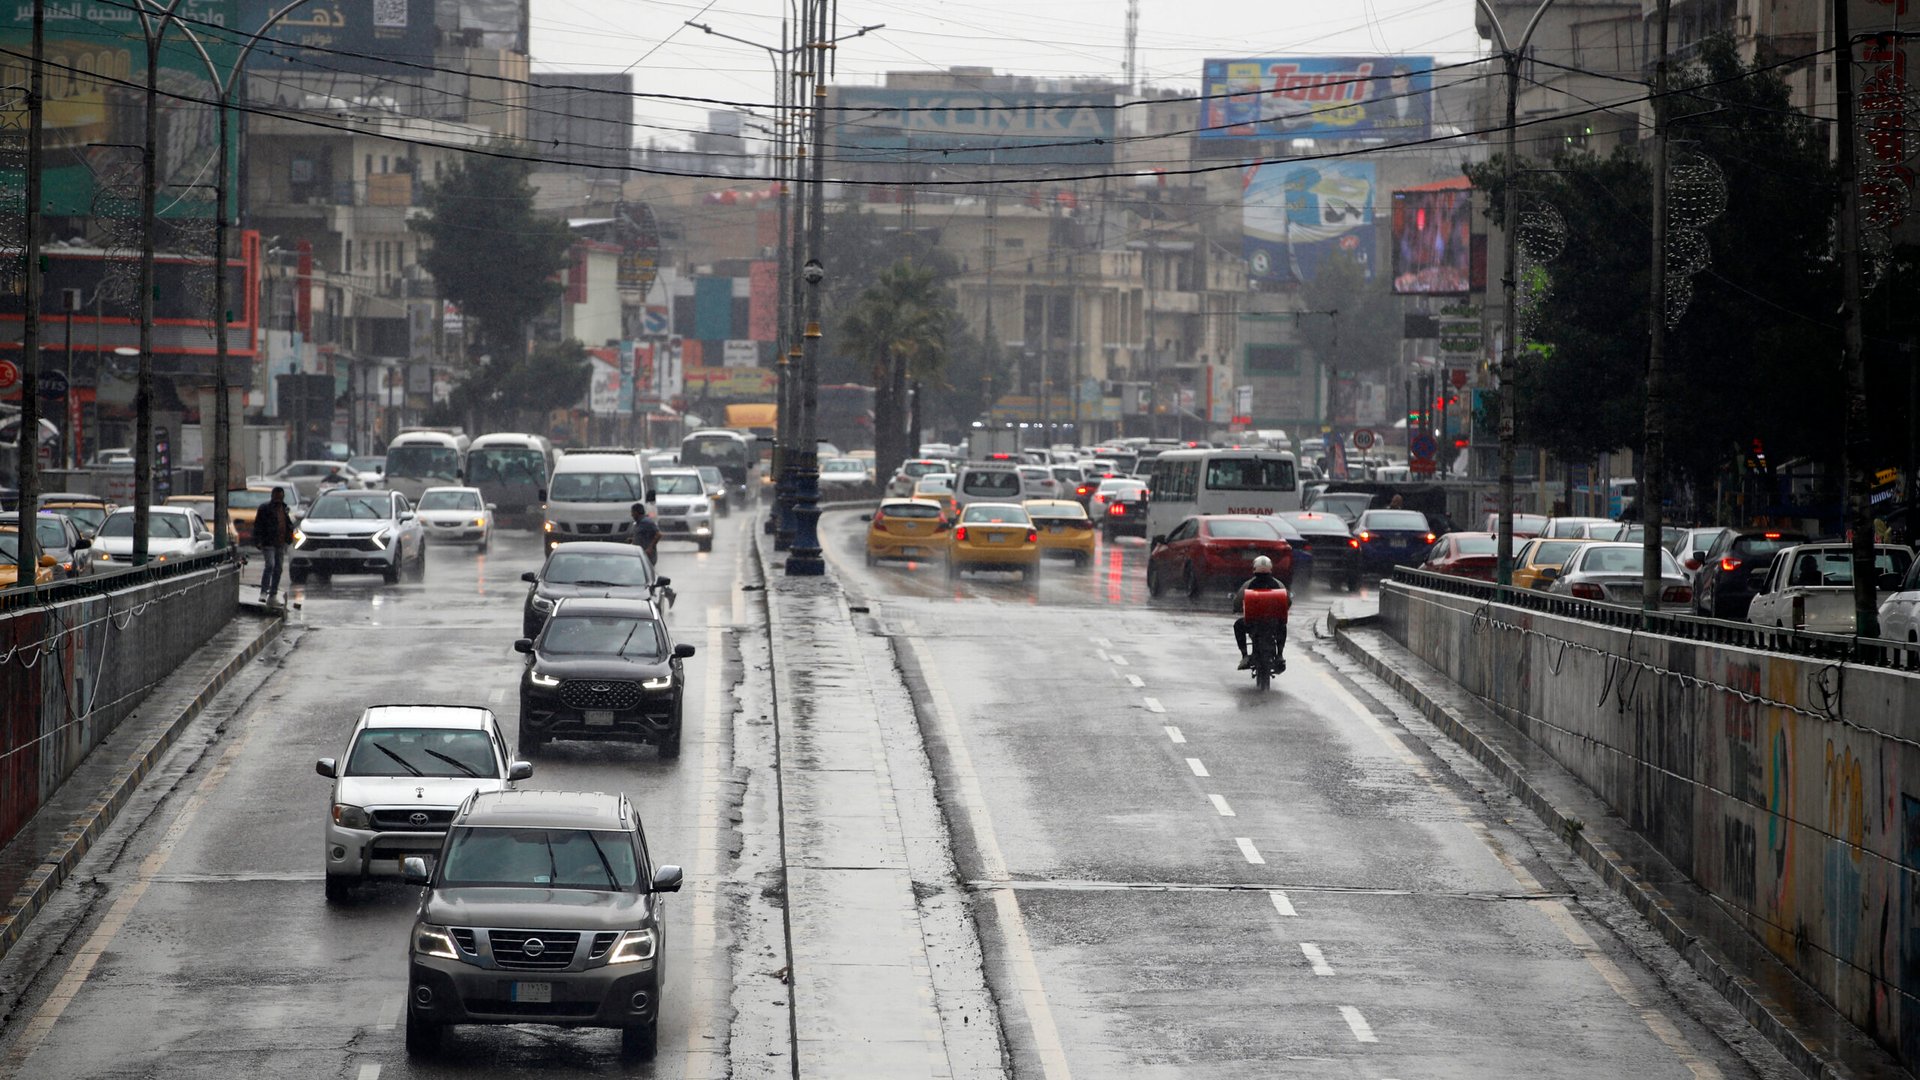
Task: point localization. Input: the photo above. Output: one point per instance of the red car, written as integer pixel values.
(1215, 549)
(1465, 554)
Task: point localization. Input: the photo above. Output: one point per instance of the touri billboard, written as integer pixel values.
(973, 127)
(1318, 97)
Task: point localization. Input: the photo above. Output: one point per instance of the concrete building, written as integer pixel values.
(582, 120)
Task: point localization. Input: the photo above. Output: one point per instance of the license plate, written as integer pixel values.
(533, 993)
(599, 718)
(910, 552)
(1397, 543)
(1056, 528)
(996, 538)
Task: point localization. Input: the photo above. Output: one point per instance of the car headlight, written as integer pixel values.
(541, 678)
(433, 940)
(299, 538)
(380, 539)
(541, 603)
(664, 682)
(549, 526)
(480, 522)
(633, 945)
(351, 817)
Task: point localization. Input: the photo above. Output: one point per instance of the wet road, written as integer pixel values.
(1178, 877)
(207, 948)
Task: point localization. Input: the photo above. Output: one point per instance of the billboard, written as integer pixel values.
(363, 36)
(1433, 240)
(95, 116)
(1318, 97)
(763, 305)
(603, 388)
(1295, 214)
(973, 127)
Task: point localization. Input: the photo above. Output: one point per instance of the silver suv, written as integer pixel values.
(407, 769)
(544, 908)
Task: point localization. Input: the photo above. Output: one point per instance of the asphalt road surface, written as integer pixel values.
(205, 948)
(1178, 876)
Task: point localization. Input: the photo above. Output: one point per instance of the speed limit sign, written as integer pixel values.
(1364, 438)
(9, 374)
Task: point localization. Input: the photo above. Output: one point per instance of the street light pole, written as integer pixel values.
(1653, 464)
(1859, 445)
(804, 559)
(34, 281)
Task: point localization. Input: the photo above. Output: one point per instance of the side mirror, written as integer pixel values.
(667, 879)
(681, 652)
(47, 560)
(540, 494)
(203, 535)
(406, 515)
(519, 770)
(83, 543)
(492, 507)
(1698, 557)
(529, 577)
(1693, 563)
(1158, 540)
(413, 870)
(662, 582)
(325, 767)
(653, 495)
(523, 645)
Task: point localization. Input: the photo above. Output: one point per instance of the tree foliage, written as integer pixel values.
(1365, 335)
(898, 326)
(499, 396)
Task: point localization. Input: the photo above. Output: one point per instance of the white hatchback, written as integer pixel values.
(173, 532)
(456, 514)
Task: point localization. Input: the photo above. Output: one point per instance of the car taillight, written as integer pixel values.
(1118, 509)
(1353, 542)
(1729, 564)
(1083, 489)
(1676, 594)
(1033, 536)
(1365, 536)
(1430, 538)
(1588, 592)
(960, 534)
(1771, 536)
(878, 524)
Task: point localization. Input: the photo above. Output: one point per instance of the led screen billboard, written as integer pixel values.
(1433, 241)
(1318, 97)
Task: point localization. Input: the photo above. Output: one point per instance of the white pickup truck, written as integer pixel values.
(1810, 586)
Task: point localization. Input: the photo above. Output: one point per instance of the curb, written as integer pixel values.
(1809, 1052)
(85, 829)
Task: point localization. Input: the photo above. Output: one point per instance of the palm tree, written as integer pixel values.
(898, 326)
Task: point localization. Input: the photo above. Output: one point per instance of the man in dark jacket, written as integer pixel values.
(1263, 578)
(273, 532)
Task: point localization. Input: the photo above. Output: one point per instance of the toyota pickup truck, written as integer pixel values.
(1810, 586)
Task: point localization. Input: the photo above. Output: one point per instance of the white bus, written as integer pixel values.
(420, 458)
(1182, 483)
(511, 471)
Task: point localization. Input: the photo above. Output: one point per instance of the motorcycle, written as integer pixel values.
(1266, 613)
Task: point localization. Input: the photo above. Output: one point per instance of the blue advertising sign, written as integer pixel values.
(1324, 97)
(1295, 214)
(973, 127)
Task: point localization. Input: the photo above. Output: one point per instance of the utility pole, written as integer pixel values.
(35, 279)
(1866, 615)
(804, 559)
(143, 379)
(1653, 463)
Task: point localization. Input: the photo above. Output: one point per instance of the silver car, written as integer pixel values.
(358, 532)
(1611, 572)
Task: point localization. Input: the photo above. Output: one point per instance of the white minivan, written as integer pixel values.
(591, 493)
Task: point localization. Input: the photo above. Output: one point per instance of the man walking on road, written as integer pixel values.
(273, 531)
(646, 532)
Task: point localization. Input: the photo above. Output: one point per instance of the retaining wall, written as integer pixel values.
(1788, 788)
(71, 670)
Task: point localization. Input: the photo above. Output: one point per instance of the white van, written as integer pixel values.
(987, 481)
(591, 495)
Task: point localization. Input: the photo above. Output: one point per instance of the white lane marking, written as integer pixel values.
(1102, 642)
(1220, 803)
(1102, 654)
(1252, 853)
(370, 1071)
(1193, 763)
(390, 1014)
(1136, 681)
(499, 695)
(993, 866)
(1117, 659)
(1281, 904)
(1153, 705)
(1316, 958)
(1174, 734)
(709, 819)
(1362, 1030)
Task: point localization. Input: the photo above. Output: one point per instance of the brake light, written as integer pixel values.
(1729, 564)
(1353, 542)
(1770, 536)
(1676, 594)
(1083, 489)
(1033, 536)
(960, 534)
(1588, 592)
(1430, 538)
(1118, 509)
(1366, 536)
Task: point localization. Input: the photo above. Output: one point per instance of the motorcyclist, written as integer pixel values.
(1263, 578)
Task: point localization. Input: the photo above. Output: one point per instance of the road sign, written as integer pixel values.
(53, 384)
(1364, 438)
(1422, 446)
(1421, 466)
(9, 374)
(1459, 378)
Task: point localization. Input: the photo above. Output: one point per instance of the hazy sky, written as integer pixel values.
(1024, 37)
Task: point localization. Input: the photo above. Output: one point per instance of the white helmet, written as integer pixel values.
(1262, 565)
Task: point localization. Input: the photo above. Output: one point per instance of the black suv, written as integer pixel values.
(588, 568)
(1726, 582)
(602, 669)
(543, 908)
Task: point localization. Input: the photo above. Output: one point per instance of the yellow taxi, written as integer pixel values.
(1537, 562)
(243, 506)
(1063, 528)
(10, 561)
(995, 536)
(203, 505)
(938, 487)
(86, 513)
(906, 529)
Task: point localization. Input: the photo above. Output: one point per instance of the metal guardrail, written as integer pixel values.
(1868, 652)
(101, 582)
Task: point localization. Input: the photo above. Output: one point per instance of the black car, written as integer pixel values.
(587, 568)
(1336, 554)
(602, 669)
(1725, 584)
(1390, 538)
(544, 907)
(1126, 515)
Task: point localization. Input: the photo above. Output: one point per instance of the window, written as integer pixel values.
(1175, 481)
(678, 484)
(604, 635)
(352, 506)
(1186, 530)
(994, 515)
(595, 487)
(909, 510)
(423, 462)
(1250, 474)
(450, 500)
(576, 568)
(990, 483)
(1273, 359)
(547, 858)
(1395, 519)
(1241, 530)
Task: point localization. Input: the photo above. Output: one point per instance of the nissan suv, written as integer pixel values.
(543, 908)
(602, 669)
(408, 767)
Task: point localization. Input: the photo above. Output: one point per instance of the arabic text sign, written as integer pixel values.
(977, 128)
(1327, 97)
(344, 35)
(1295, 214)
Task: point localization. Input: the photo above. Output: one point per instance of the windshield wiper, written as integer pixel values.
(612, 882)
(453, 761)
(553, 867)
(591, 581)
(622, 651)
(404, 763)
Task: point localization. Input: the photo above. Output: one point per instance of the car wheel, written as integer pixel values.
(1106, 534)
(339, 888)
(670, 744)
(872, 559)
(1154, 585)
(1081, 559)
(953, 569)
(1031, 576)
(639, 1043)
(392, 573)
(423, 1036)
(706, 545)
(532, 743)
(1353, 581)
(1191, 581)
(482, 549)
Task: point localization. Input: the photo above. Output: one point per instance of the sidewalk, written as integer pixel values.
(1789, 1013)
(864, 995)
(37, 859)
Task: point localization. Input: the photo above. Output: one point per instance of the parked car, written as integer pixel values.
(994, 536)
(173, 532)
(358, 532)
(456, 515)
(406, 771)
(602, 669)
(1810, 586)
(1611, 572)
(1215, 550)
(1900, 612)
(1336, 553)
(545, 907)
(587, 568)
(1464, 554)
(907, 529)
(1389, 538)
(1724, 585)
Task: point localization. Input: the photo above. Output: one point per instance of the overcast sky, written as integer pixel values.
(1022, 37)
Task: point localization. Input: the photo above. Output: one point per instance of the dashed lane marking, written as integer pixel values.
(1174, 734)
(370, 1071)
(1136, 681)
(1117, 659)
(390, 1014)
(1193, 763)
(1252, 853)
(1316, 958)
(1102, 642)
(1281, 904)
(1220, 803)
(1153, 705)
(1362, 1031)
(1102, 654)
